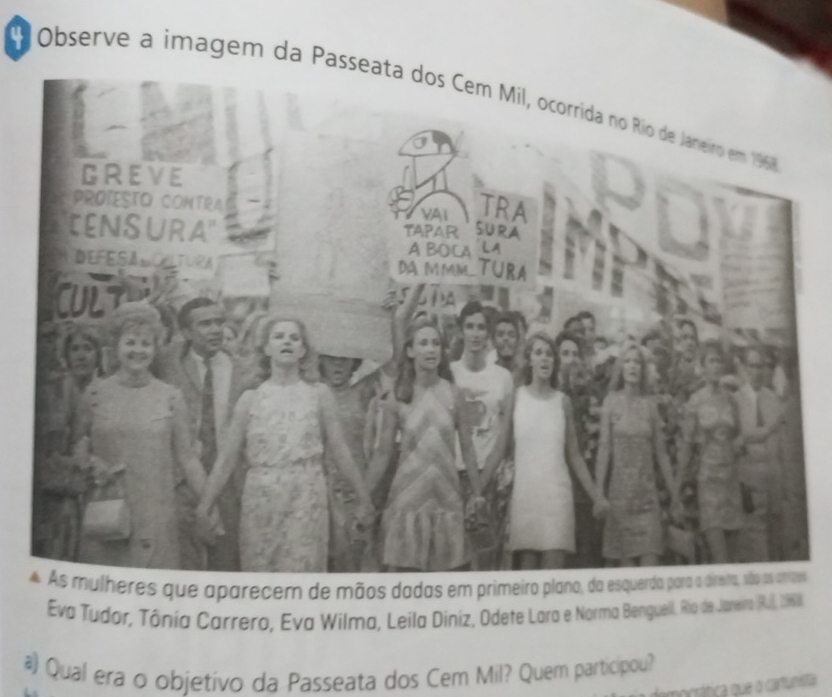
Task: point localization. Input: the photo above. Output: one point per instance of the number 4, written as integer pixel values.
(16, 35)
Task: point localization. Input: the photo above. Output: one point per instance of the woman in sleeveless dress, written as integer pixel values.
(632, 436)
(284, 428)
(423, 526)
(711, 425)
(542, 527)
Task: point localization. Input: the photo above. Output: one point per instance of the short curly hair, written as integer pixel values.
(132, 315)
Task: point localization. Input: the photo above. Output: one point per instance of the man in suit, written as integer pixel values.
(210, 381)
(761, 419)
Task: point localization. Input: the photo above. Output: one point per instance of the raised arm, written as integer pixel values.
(576, 461)
(401, 318)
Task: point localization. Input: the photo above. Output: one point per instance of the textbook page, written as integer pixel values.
(436, 348)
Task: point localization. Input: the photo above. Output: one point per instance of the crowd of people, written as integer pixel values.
(200, 439)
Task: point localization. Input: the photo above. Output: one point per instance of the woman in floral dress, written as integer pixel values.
(284, 428)
(711, 426)
(631, 441)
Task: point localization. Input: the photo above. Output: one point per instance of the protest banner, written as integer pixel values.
(331, 227)
(138, 215)
(586, 253)
(88, 298)
(430, 214)
(244, 276)
(344, 327)
(507, 239)
(757, 280)
(679, 222)
(145, 174)
(330, 218)
(582, 251)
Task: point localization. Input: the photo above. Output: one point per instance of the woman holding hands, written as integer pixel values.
(135, 427)
(286, 428)
(423, 526)
(631, 441)
(542, 523)
(711, 426)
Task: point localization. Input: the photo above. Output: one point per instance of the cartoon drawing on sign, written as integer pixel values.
(430, 153)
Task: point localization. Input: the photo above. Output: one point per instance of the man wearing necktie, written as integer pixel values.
(211, 381)
(761, 418)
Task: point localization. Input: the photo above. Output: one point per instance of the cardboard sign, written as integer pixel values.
(338, 326)
(508, 239)
(137, 215)
(140, 174)
(429, 207)
(89, 298)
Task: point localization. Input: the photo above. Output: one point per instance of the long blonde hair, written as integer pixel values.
(617, 380)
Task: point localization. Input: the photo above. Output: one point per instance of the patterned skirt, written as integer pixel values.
(284, 521)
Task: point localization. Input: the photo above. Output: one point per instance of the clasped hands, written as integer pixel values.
(365, 517)
(600, 507)
(209, 525)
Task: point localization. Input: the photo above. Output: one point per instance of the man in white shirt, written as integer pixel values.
(761, 417)
(210, 382)
(489, 395)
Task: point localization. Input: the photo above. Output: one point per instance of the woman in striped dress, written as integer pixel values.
(423, 526)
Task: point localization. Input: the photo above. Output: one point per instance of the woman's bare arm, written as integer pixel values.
(229, 456)
(183, 447)
(576, 459)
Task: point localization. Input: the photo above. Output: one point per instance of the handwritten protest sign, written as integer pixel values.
(90, 298)
(508, 239)
(137, 215)
(142, 173)
(439, 301)
(429, 207)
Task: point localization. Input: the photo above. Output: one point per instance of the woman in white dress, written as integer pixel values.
(542, 528)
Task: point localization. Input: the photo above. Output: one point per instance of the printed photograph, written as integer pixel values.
(283, 334)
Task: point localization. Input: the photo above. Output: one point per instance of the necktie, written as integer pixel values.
(207, 424)
(759, 411)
